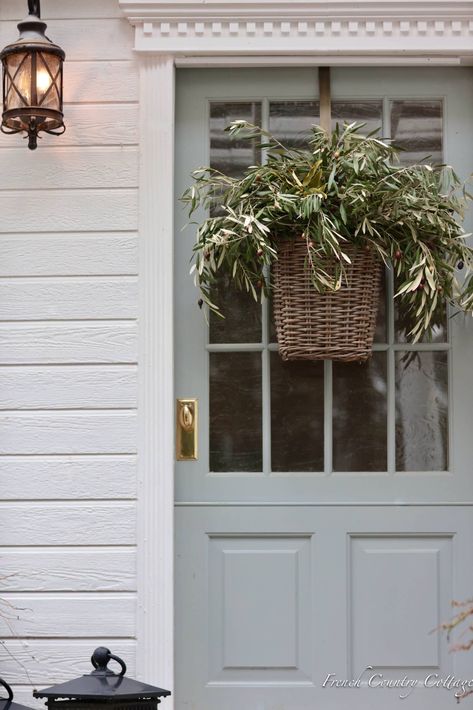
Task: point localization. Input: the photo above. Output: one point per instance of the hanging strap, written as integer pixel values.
(34, 8)
(325, 99)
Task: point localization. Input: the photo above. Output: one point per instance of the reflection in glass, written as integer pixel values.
(402, 329)
(360, 415)
(235, 412)
(297, 415)
(422, 411)
(242, 321)
(368, 112)
(291, 121)
(416, 126)
(231, 155)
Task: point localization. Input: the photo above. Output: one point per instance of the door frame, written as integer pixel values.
(226, 33)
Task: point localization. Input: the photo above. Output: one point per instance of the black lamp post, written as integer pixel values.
(32, 81)
(7, 703)
(103, 689)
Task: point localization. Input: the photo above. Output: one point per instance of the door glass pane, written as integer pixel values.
(360, 415)
(297, 415)
(232, 156)
(368, 112)
(235, 416)
(291, 121)
(416, 126)
(422, 411)
(241, 321)
(402, 329)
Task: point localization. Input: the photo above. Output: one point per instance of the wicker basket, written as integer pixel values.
(336, 325)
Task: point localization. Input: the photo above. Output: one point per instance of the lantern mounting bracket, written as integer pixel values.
(34, 8)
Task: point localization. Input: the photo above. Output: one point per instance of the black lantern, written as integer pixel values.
(103, 689)
(7, 703)
(32, 81)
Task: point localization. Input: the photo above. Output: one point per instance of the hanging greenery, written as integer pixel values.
(344, 189)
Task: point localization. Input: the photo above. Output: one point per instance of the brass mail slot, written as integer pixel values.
(186, 429)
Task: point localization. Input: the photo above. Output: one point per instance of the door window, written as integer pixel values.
(271, 417)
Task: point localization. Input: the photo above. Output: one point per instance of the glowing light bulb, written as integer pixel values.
(43, 80)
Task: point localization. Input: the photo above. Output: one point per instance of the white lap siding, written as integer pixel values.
(68, 292)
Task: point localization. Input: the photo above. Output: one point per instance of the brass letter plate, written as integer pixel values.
(186, 429)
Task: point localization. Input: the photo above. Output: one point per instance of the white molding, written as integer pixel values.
(334, 27)
(209, 62)
(155, 616)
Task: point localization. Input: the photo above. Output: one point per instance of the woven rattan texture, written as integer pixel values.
(336, 325)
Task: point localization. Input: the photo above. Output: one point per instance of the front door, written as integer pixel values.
(327, 523)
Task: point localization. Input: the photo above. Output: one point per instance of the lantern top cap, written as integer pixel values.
(102, 684)
(32, 36)
(7, 703)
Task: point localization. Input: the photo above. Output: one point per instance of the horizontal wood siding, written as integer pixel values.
(70, 298)
(73, 387)
(72, 168)
(60, 523)
(69, 342)
(68, 372)
(83, 615)
(64, 478)
(71, 570)
(69, 255)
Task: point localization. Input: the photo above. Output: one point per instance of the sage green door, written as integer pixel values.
(327, 523)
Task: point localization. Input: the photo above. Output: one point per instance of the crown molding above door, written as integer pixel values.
(369, 28)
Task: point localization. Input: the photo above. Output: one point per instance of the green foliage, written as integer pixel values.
(345, 188)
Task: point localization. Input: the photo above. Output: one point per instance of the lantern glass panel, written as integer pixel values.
(18, 80)
(48, 73)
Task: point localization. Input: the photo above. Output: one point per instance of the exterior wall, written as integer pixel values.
(68, 306)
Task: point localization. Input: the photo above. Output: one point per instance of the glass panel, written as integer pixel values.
(235, 412)
(46, 73)
(242, 322)
(227, 154)
(368, 112)
(297, 415)
(422, 411)
(290, 121)
(18, 80)
(401, 329)
(359, 415)
(416, 126)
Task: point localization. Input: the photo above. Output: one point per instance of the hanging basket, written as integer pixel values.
(337, 325)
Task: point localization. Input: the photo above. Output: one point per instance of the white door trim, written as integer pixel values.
(224, 33)
(155, 505)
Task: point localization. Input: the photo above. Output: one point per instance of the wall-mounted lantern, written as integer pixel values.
(7, 703)
(32, 81)
(103, 689)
